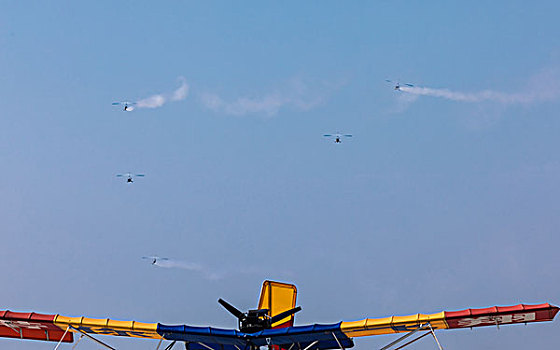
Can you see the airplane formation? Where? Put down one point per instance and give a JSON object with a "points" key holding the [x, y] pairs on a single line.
{"points": [[271, 324]]}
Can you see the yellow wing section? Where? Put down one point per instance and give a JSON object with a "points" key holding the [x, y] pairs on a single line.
{"points": [[278, 297], [393, 324], [109, 327]]}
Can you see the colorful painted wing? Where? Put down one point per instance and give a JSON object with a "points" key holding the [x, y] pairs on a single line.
{"points": [[331, 336], [61, 328], [492, 316]]}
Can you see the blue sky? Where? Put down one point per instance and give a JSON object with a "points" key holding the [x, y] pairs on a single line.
{"points": [[434, 204]]}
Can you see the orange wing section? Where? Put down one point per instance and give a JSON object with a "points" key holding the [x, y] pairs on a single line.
{"points": [[278, 297]]}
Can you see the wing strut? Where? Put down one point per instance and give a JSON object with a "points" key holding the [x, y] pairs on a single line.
{"points": [[92, 338], [60, 342], [435, 338], [311, 345], [422, 327], [206, 346], [78, 342], [412, 341], [338, 342], [159, 343], [393, 343]]}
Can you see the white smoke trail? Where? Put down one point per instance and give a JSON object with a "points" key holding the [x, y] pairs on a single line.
{"points": [[181, 92], [268, 105], [189, 266], [543, 87], [154, 101], [210, 273], [296, 96], [159, 100], [480, 96]]}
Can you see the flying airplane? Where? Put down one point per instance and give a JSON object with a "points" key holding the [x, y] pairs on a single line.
{"points": [[128, 106], [130, 177], [337, 136], [154, 259], [270, 325], [398, 85]]}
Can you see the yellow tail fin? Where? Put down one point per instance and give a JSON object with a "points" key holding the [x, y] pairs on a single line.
{"points": [[278, 297]]}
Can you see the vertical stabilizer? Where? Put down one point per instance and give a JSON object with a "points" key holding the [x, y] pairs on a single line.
{"points": [[278, 297]]}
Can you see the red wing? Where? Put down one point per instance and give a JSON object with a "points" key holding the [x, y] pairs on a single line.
{"points": [[32, 326]]}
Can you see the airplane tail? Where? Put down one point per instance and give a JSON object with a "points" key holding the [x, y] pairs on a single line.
{"points": [[278, 297]]}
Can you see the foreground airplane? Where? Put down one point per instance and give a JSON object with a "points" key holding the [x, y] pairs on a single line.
{"points": [[271, 325]]}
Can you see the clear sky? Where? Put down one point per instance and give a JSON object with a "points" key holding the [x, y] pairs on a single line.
{"points": [[435, 203]]}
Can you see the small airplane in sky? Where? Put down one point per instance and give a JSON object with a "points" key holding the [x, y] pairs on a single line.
{"points": [[128, 106], [337, 136], [270, 325], [130, 177], [398, 85], [154, 259]]}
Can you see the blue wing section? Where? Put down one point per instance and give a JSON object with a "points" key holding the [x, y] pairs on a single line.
{"points": [[326, 336], [213, 337], [298, 337]]}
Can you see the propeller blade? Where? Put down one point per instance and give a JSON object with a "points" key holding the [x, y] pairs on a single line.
{"points": [[284, 314], [231, 309], [127, 103], [154, 257], [409, 85], [348, 135], [327, 135], [140, 175], [387, 80]]}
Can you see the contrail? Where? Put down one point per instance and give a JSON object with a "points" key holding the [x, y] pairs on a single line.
{"points": [[543, 87], [159, 100]]}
